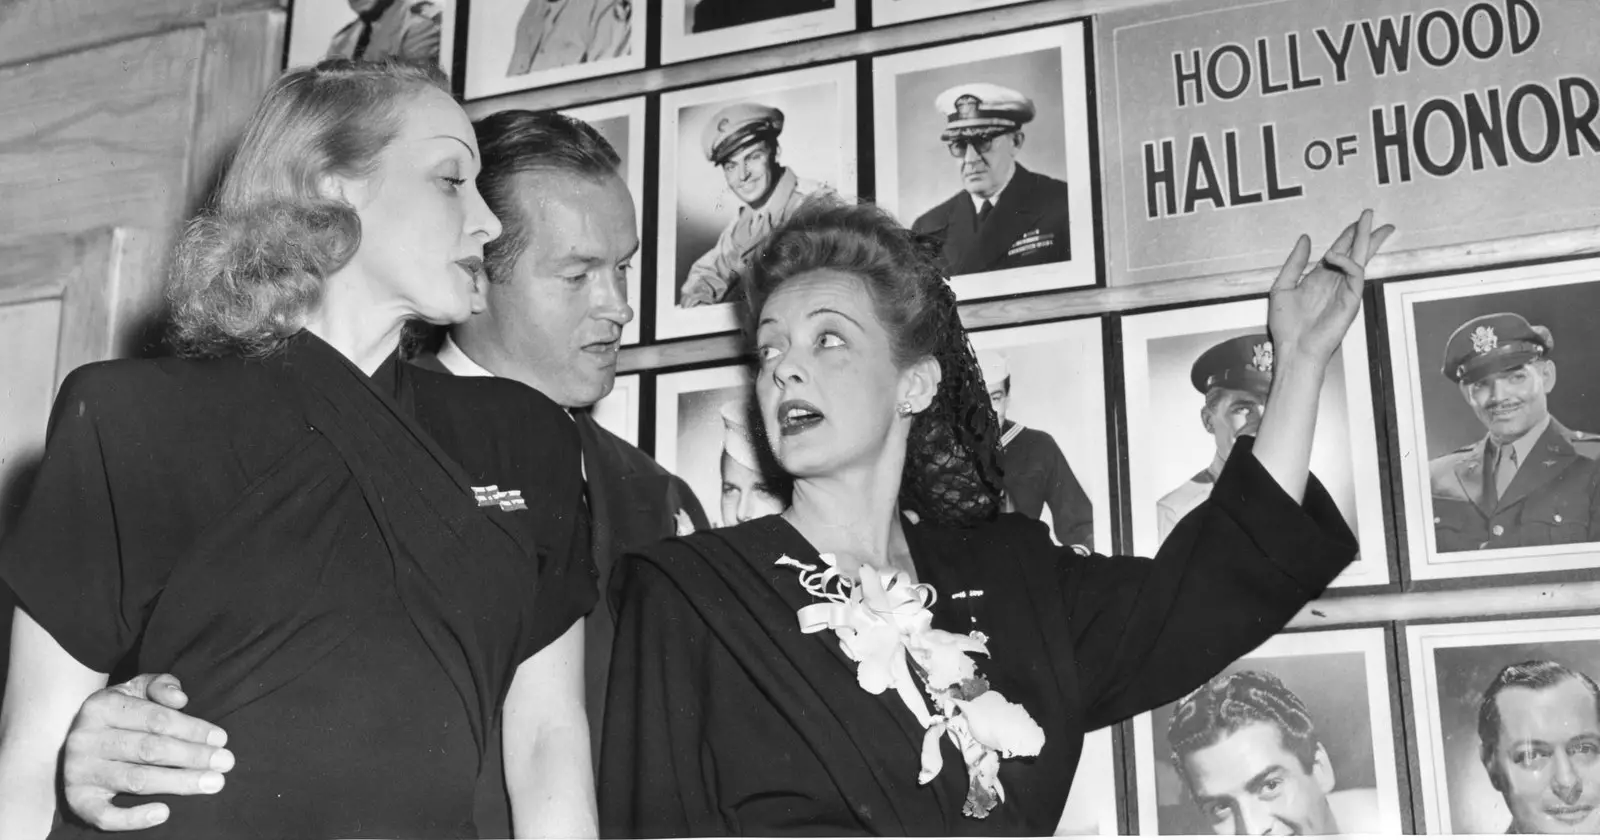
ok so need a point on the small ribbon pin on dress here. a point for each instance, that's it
(492, 495)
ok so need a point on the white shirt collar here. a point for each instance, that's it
(994, 200)
(456, 362)
(1523, 446)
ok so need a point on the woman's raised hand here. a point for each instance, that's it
(1308, 313)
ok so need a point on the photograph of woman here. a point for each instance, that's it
(876, 658)
(291, 521)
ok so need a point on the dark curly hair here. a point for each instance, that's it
(952, 470)
(250, 267)
(1229, 703)
(1535, 675)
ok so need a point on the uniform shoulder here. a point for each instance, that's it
(937, 218)
(1586, 444)
(426, 8)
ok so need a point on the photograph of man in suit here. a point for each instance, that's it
(1005, 216)
(741, 140)
(1539, 736)
(1248, 754)
(745, 495)
(709, 15)
(1530, 480)
(1234, 376)
(1037, 475)
(560, 33)
(548, 313)
(408, 29)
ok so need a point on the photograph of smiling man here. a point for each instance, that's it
(1493, 389)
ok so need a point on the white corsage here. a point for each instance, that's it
(883, 623)
(684, 523)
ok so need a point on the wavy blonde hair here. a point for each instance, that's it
(250, 267)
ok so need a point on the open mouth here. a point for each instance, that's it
(796, 416)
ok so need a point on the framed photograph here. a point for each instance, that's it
(420, 30)
(703, 437)
(693, 29)
(1196, 378)
(738, 158)
(1092, 806)
(621, 122)
(618, 411)
(1047, 382)
(888, 12)
(1507, 721)
(985, 144)
(1295, 738)
(517, 45)
(1497, 452)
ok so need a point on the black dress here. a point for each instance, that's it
(723, 718)
(290, 539)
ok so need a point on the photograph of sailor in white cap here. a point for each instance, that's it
(1037, 476)
(737, 159)
(984, 147)
(745, 494)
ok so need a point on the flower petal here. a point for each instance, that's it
(1002, 725)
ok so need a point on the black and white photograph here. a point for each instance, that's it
(1197, 378)
(888, 12)
(415, 30)
(984, 145)
(1047, 384)
(703, 436)
(1507, 722)
(1092, 806)
(1499, 419)
(618, 411)
(737, 159)
(517, 45)
(1295, 738)
(621, 123)
(693, 29)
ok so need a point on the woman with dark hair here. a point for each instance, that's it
(832, 669)
(360, 569)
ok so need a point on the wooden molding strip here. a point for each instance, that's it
(1100, 301)
(1466, 603)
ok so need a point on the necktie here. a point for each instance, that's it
(363, 38)
(1505, 470)
(983, 210)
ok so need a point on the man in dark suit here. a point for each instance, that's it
(408, 29)
(1529, 481)
(549, 313)
(1006, 216)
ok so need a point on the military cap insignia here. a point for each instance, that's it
(1484, 339)
(967, 107)
(1261, 357)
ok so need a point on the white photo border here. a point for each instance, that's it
(618, 411)
(633, 110)
(1423, 558)
(494, 84)
(1070, 38)
(670, 321)
(678, 45)
(890, 12)
(1372, 643)
(1422, 642)
(1097, 798)
(1372, 567)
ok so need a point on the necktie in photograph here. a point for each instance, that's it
(983, 211)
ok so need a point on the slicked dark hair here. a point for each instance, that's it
(1229, 703)
(1536, 674)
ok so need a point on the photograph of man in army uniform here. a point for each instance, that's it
(737, 159)
(1297, 738)
(1507, 724)
(522, 44)
(1198, 381)
(1494, 393)
(415, 30)
(982, 147)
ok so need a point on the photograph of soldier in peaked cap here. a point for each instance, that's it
(1198, 380)
(983, 146)
(523, 44)
(415, 30)
(1295, 738)
(737, 159)
(699, 28)
(1493, 389)
(1507, 721)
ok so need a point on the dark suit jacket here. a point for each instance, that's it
(1027, 227)
(1553, 500)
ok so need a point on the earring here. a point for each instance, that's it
(904, 408)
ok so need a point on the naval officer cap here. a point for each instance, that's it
(1494, 343)
(1242, 364)
(980, 109)
(737, 126)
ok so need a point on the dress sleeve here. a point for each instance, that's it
(653, 779)
(65, 557)
(1231, 575)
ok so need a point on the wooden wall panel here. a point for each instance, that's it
(242, 57)
(33, 29)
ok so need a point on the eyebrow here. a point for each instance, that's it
(463, 143)
(1259, 779)
(823, 310)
